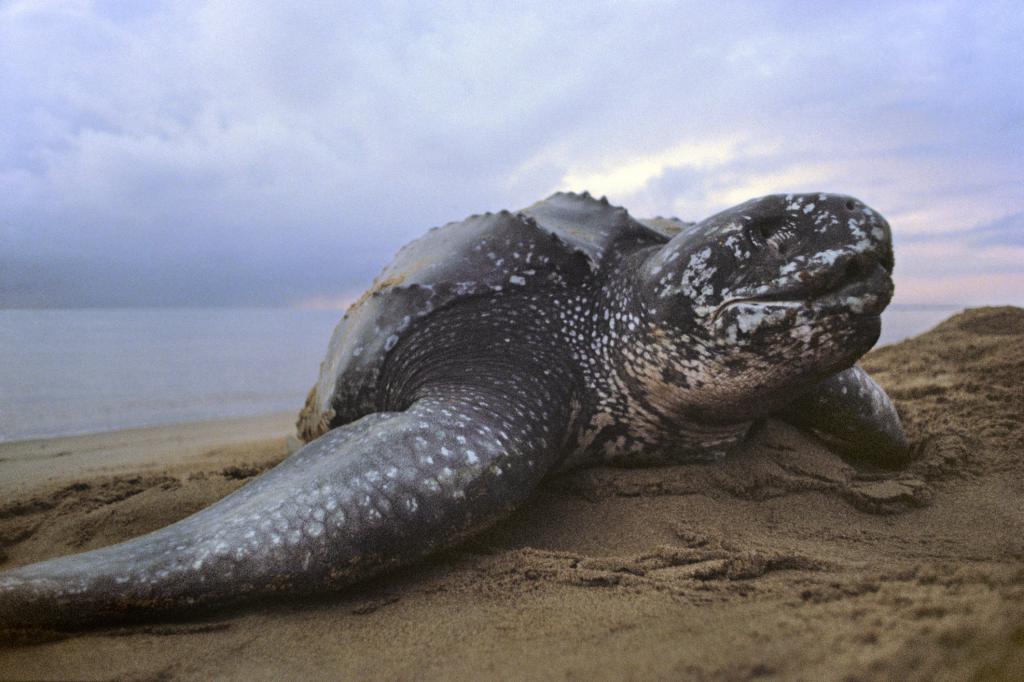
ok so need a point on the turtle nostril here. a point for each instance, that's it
(851, 204)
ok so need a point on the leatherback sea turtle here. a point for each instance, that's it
(498, 349)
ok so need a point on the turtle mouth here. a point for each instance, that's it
(856, 284)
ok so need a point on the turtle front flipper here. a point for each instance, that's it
(370, 495)
(854, 415)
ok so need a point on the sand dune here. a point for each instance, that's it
(785, 561)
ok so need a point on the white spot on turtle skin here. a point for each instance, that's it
(856, 304)
(787, 269)
(471, 457)
(390, 342)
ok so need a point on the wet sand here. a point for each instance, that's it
(784, 561)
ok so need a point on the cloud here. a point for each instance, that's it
(976, 265)
(974, 289)
(253, 153)
(630, 175)
(1007, 230)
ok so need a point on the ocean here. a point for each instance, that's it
(65, 372)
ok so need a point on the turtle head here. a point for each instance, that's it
(768, 297)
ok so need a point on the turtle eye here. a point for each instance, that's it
(763, 230)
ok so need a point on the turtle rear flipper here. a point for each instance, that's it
(367, 496)
(855, 416)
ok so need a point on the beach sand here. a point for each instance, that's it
(784, 561)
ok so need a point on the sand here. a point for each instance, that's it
(783, 562)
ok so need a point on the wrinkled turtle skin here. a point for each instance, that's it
(499, 349)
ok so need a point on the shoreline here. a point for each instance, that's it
(143, 428)
(173, 447)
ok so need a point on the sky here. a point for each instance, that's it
(278, 154)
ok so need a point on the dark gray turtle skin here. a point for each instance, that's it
(502, 348)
